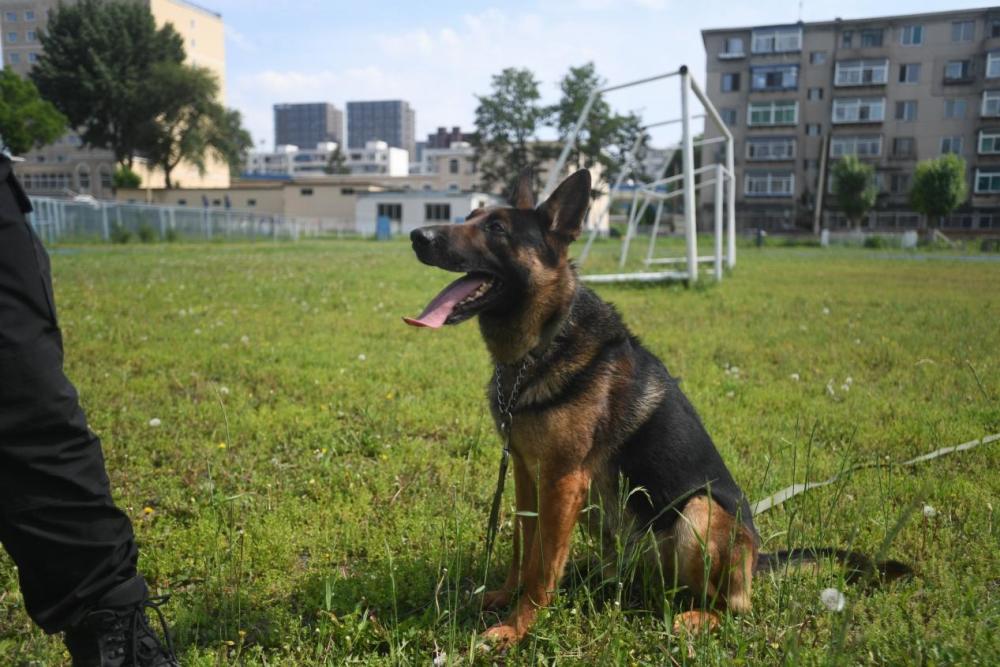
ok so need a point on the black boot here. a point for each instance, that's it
(117, 632)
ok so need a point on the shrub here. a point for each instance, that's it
(876, 242)
(146, 233)
(119, 234)
(126, 179)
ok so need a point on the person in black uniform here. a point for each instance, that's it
(74, 549)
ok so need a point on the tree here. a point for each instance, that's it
(26, 120)
(605, 137)
(854, 188)
(507, 122)
(97, 68)
(337, 164)
(939, 186)
(191, 123)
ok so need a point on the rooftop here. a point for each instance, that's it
(861, 21)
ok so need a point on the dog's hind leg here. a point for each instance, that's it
(713, 556)
(526, 493)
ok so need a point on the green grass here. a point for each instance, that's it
(317, 490)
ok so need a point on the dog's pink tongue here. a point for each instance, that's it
(438, 310)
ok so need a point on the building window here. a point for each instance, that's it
(733, 48)
(14, 58)
(347, 191)
(105, 172)
(83, 177)
(993, 64)
(957, 70)
(306, 192)
(951, 145)
(769, 184)
(10, 17)
(817, 57)
(909, 73)
(773, 113)
(774, 77)
(861, 72)
(995, 28)
(899, 183)
(871, 37)
(29, 15)
(30, 36)
(728, 116)
(962, 31)
(251, 203)
(777, 40)
(991, 103)
(815, 94)
(730, 82)
(858, 110)
(987, 181)
(32, 57)
(906, 110)
(847, 39)
(437, 211)
(954, 108)
(453, 166)
(392, 211)
(904, 147)
(11, 37)
(771, 148)
(812, 129)
(911, 35)
(989, 142)
(864, 146)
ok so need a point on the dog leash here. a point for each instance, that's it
(506, 409)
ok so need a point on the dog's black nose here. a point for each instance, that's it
(423, 236)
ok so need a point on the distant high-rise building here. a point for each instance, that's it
(66, 165)
(391, 121)
(306, 125)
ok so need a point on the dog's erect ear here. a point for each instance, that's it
(567, 206)
(524, 193)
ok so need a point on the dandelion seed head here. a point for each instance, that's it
(929, 511)
(154, 422)
(832, 599)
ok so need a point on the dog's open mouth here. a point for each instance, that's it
(458, 301)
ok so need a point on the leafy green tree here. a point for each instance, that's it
(126, 179)
(854, 188)
(507, 124)
(605, 137)
(337, 164)
(939, 186)
(192, 124)
(26, 120)
(97, 68)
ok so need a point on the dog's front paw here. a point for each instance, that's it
(502, 635)
(493, 600)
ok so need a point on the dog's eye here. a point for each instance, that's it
(495, 227)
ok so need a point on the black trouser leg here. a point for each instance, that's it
(57, 519)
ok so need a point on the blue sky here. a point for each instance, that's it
(438, 55)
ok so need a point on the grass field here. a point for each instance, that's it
(317, 487)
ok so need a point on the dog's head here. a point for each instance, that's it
(510, 256)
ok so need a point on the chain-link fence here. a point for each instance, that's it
(68, 221)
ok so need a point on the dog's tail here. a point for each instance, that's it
(859, 566)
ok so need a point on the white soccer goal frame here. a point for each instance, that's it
(644, 194)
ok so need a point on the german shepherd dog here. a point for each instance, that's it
(595, 407)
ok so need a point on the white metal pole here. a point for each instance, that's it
(628, 231)
(687, 154)
(655, 232)
(719, 196)
(731, 205)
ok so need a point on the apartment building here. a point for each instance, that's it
(67, 166)
(308, 124)
(892, 90)
(391, 121)
(290, 161)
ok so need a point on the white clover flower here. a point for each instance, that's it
(440, 659)
(362, 357)
(245, 340)
(224, 391)
(929, 511)
(794, 376)
(832, 599)
(826, 311)
(829, 388)
(154, 422)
